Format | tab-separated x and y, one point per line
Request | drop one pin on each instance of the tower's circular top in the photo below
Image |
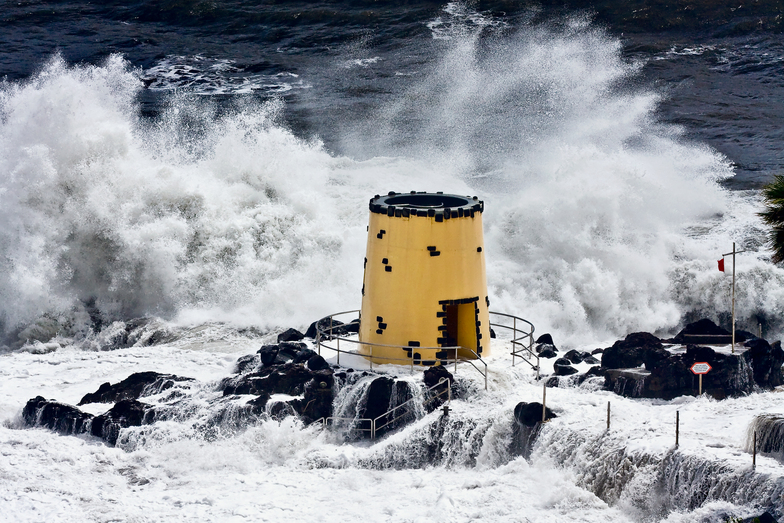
438	205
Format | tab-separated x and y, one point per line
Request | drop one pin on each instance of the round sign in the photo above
700	368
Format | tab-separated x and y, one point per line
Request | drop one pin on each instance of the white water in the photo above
600	221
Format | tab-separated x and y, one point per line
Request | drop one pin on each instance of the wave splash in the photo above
600	220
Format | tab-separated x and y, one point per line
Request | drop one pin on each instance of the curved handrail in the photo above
326	332
522	345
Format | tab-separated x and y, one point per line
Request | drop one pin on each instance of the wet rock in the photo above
303	355
433	376
640	367
573	356
289	378
319	395
133	387
337	328
563	367
60	417
125	413
594	372
379	395
317	362
289	350
705	332
545	339
269	355
247	363
529	414
548	352
596	351
290	335
766	361
633	351
765	517
352	326
590	360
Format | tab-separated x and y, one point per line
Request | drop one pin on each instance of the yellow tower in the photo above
425	288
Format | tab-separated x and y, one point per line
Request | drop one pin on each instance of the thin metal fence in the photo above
398	412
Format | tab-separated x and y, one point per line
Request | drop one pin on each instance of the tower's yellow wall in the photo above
404	284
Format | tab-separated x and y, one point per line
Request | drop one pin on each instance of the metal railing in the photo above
522	339
326	333
383	421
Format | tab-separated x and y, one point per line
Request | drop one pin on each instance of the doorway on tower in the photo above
460	327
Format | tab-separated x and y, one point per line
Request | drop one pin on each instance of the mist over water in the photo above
599	221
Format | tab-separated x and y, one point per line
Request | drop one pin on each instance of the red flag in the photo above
721	265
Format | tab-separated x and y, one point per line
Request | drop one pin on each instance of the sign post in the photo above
699	369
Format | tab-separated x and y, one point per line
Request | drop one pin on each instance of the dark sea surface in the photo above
719	69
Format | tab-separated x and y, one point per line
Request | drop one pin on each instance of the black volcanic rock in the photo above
67	419
269	355
60	417
317	362
125	413
133	387
379	396
633	351
705	332
548	352
766	361
529	414
639	366
545	339
563	367
290	335
573	356
433	375
337	328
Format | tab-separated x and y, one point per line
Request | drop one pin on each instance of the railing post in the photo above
677	426
338	350
514	337
371	356
608	415
754	455
544	401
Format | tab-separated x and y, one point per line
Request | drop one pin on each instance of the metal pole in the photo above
544	401
608	415
455	361
754	455
371	356
338	351
514	337
677	426
733	300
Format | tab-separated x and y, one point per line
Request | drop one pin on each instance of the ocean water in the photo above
209	165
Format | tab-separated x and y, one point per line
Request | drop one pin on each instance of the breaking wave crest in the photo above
600	220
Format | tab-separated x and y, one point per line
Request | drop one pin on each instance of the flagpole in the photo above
733	297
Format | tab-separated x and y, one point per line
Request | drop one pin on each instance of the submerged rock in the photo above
125	413
529	414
